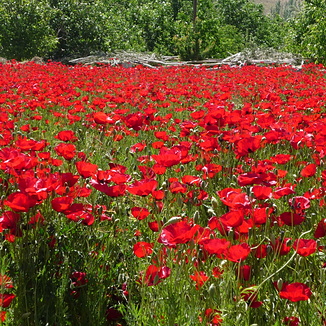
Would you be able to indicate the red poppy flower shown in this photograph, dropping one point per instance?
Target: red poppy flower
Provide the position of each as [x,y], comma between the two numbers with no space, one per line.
[215,223]
[260,251]
[139,147]
[299,203]
[37,218]
[86,218]
[281,158]
[102,118]
[191,180]
[213,317]
[154,226]
[158,194]
[217,272]
[19,202]
[309,170]
[146,172]
[155,275]
[280,246]
[177,187]
[168,157]
[9,220]
[291,321]
[29,144]
[113,176]
[200,278]
[291,218]
[216,247]
[232,219]
[209,144]
[305,247]
[61,204]
[78,279]
[202,233]
[210,170]
[320,231]
[143,249]
[295,292]
[262,192]
[284,191]
[13,159]
[248,145]
[139,213]
[134,121]
[244,273]
[143,187]
[5,299]
[112,191]
[159,169]
[86,169]
[67,179]
[66,135]
[246,179]
[179,232]
[197,114]
[161,135]
[37,189]
[67,151]
[5,282]
[238,253]
[234,198]
[260,215]
[117,167]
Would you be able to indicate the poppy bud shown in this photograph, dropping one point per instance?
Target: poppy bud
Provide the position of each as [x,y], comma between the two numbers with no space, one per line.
[214,203]
[212,290]
[172,220]
[273,240]
[279,284]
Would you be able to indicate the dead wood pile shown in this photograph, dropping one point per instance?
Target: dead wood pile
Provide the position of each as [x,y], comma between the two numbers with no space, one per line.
[260,57]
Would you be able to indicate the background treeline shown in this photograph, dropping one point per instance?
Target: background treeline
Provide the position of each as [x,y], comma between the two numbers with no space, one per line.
[192,29]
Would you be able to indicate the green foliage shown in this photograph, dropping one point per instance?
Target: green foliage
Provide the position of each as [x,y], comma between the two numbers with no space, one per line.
[248,18]
[121,32]
[79,25]
[58,28]
[153,21]
[309,37]
[25,29]
[214,40]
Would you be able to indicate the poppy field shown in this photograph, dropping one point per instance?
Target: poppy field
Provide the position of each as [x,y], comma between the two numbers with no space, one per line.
[171,196]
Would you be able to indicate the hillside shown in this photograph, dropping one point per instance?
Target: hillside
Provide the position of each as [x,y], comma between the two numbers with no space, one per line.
[270,4]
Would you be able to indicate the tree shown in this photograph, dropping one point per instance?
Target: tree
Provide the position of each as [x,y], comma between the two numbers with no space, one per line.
[25,30]
[80,26]
[309,37]
[248,18]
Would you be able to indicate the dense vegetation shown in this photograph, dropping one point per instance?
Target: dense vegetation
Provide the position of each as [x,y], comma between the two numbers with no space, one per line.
[190,29]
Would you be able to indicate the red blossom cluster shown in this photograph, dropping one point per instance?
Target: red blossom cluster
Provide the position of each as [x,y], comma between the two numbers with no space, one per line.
[5,297]
[171,129]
